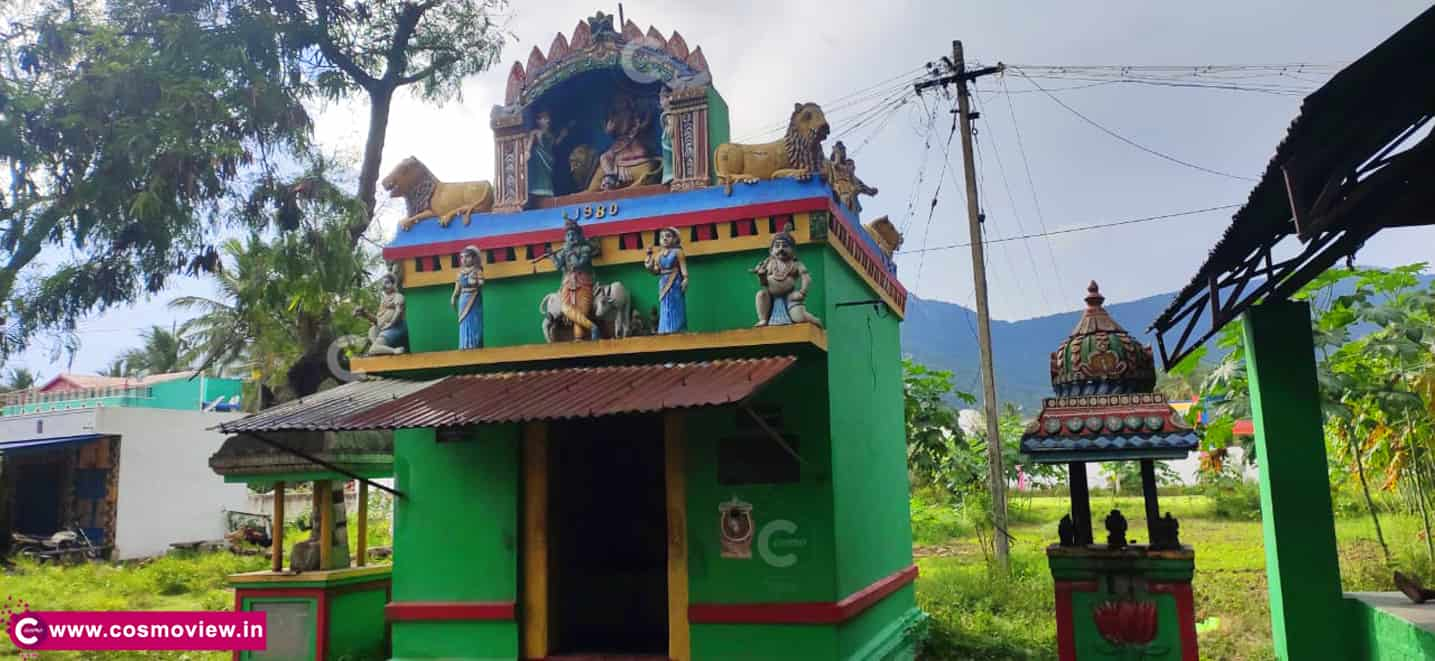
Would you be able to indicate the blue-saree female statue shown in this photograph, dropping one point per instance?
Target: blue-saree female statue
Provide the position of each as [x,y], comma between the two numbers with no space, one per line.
[468,299]
[671,266]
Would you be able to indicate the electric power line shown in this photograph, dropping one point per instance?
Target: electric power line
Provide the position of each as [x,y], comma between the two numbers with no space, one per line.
[1082,228]
[946,156]
[1127,140]
[1031,185]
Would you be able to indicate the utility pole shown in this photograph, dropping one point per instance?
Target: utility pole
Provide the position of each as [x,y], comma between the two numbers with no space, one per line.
[996,474]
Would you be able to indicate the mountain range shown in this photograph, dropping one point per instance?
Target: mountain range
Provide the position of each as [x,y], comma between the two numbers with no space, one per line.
[943,335]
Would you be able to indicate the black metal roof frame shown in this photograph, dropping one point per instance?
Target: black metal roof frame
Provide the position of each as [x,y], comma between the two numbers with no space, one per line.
[1349,166]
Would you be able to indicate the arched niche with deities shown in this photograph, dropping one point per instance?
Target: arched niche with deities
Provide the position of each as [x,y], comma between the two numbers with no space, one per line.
[603,111]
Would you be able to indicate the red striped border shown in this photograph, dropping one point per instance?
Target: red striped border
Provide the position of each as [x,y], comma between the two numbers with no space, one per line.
[803,612]
[645,224]
[435,611]
[1065,622]
[1185,613]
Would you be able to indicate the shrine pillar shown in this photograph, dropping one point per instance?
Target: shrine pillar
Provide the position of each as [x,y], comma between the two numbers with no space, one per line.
[1302,571]
[510,160]
[692,149]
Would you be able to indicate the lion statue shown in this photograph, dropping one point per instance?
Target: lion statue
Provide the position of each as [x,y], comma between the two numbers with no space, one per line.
[582,163]
[427,197]
[798,154]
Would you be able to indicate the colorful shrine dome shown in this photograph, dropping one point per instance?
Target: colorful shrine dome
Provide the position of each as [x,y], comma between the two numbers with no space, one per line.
[1105,407]
[1100,357]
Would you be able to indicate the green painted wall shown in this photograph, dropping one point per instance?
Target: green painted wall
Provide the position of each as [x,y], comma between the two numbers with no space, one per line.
[869,451]
[356,626]
[721,295]
[182,394]
[765,642]
[456,534]
[719,130]
[803,562]
[1380,636]
[1302,571]
[887,630]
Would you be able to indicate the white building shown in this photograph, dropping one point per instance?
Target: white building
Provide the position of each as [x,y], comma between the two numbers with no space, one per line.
[135,479]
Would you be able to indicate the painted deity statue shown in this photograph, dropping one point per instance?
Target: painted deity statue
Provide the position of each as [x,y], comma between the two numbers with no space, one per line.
[543,142]
[670,264]
[782,297]
[390,332]
[666,143]
[467,299]
[842,176]
[627,162]
[575,294]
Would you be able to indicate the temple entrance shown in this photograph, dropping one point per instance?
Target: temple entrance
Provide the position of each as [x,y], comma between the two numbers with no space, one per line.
[608,531]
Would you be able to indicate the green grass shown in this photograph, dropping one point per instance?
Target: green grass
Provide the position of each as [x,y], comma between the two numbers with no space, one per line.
[975,613]
[180,582]
[978,615]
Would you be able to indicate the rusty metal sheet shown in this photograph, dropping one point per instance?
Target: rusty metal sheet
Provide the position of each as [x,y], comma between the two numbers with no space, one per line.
[320,411]
[578,392]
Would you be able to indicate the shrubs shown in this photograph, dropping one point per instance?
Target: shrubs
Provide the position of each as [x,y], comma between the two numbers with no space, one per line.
[933,522]
[1236,500]
[979,614]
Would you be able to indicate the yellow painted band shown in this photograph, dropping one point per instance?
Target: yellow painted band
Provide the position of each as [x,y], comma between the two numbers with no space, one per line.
[675,483]
[741,337]
[535,540]
[330,576]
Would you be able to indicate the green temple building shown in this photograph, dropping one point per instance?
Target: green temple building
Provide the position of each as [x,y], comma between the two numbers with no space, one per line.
[644,390]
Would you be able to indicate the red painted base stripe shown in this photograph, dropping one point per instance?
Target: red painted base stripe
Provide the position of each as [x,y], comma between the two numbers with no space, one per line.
[803,612]
[430,611]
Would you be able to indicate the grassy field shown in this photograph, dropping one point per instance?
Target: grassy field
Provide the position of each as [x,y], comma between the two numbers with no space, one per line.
[975,615]
[185,582]
[979,616]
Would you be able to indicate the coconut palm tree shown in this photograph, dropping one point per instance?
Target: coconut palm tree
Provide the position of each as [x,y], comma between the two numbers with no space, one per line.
[282,303]
[161,352]
[21,378]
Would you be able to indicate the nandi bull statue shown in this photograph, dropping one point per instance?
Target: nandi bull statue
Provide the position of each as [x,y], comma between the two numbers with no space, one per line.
[612,313]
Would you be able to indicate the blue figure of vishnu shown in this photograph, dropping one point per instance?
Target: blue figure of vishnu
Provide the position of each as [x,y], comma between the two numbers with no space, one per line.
[468,299]
[671,266]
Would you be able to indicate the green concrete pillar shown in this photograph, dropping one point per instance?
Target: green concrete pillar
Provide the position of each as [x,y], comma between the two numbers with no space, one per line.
[1296,518]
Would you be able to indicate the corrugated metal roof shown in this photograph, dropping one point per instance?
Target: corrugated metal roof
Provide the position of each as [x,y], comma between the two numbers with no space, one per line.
[319,411]
[1364,106]
[575,392]
[580,392]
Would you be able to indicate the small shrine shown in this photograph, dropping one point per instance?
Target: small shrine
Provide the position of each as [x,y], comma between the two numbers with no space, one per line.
[326,603]
[1115,598]
[644,387]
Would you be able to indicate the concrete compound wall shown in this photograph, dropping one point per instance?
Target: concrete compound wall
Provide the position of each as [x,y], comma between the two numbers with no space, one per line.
[167,493]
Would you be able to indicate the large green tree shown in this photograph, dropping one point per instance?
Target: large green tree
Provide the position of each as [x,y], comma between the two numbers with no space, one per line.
[130,126]
[125,129]
[372,50]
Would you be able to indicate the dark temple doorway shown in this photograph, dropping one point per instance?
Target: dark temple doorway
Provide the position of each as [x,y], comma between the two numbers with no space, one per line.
[608,536]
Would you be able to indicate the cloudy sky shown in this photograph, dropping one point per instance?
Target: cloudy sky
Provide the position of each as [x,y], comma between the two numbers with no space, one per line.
[766,55]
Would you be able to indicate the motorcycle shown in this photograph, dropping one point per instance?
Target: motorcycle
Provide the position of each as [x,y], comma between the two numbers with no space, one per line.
[69,543]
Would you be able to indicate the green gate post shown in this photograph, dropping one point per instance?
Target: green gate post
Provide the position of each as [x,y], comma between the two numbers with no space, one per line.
[1296,518]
